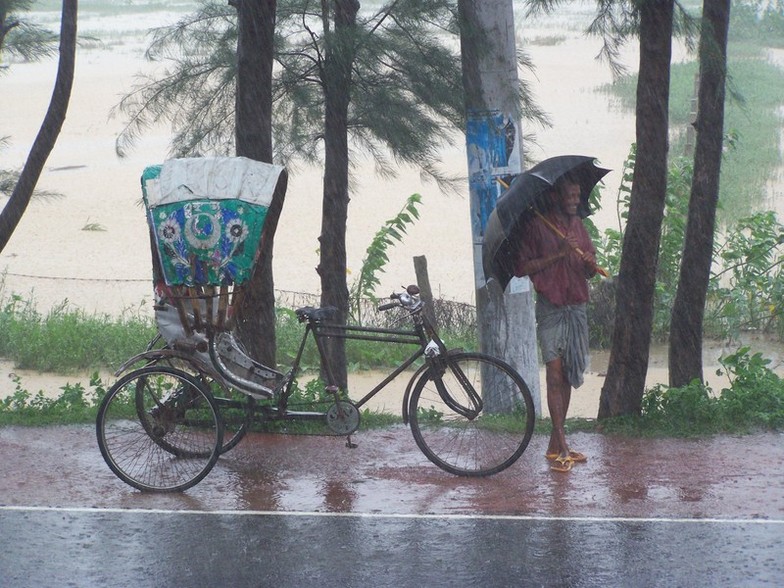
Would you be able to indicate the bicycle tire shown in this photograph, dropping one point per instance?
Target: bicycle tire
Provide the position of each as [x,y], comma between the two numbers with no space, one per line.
[236,421]
[466,435]
[237,410]
[159,429]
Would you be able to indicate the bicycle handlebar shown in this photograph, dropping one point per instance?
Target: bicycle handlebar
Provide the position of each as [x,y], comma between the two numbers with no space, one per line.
[408,300]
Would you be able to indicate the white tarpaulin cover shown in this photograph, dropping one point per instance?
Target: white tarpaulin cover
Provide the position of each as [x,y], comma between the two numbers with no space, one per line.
[222,178]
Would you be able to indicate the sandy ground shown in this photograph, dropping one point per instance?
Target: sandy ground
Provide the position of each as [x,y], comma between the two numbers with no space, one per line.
[53,256]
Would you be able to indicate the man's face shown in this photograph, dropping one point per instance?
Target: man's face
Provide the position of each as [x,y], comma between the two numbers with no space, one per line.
[569,199]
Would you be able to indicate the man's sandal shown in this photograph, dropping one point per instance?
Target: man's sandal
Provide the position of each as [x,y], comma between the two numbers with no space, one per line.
[562,464]
[575,456]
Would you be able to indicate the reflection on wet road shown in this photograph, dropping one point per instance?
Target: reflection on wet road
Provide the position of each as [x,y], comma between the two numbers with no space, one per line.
[45,547]
[301,511]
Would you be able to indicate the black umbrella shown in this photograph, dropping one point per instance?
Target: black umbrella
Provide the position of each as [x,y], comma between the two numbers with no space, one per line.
[528,195]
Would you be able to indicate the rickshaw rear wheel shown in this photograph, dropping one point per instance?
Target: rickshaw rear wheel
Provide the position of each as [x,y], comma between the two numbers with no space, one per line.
[159,429]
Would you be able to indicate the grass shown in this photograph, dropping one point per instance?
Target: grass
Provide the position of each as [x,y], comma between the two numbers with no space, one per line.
[754,401]
[752,123]
[65,339]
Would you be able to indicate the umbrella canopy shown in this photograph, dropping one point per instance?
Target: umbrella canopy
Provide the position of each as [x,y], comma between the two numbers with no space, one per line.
[527,193]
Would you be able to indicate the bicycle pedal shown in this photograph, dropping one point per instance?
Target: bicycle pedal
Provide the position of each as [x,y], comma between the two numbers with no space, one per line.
[350,444]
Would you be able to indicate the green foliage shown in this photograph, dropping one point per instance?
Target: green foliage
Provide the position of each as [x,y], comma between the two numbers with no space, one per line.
[748,293]
[405,91]
[608,254]
[689,410]
[756,395]
[20,37]
[310,393]
[752,121]
[753,401]
[376,255]
[746,290]
[67,339]
[758,21]
[288,334]
[670,245]
[74,405]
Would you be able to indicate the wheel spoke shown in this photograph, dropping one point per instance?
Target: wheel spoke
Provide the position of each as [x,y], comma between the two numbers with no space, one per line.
[473,419]
[159,429]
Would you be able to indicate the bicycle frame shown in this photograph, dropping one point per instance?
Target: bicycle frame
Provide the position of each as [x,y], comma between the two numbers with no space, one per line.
[321,331]
[422,334]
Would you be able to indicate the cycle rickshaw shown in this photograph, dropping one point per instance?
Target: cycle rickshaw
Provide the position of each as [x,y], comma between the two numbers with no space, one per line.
[194,393]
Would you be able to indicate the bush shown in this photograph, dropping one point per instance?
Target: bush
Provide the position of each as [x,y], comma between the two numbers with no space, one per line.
[754,401]
[756,395]
[74,405]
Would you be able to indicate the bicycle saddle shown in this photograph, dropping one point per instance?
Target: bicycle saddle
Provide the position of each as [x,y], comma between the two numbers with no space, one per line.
[316,315]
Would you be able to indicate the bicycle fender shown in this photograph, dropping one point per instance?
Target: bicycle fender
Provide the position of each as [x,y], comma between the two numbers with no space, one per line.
[407,394]
[156,355]
[414,379]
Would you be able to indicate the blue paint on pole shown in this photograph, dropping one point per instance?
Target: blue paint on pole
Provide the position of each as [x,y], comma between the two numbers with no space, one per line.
[493,152]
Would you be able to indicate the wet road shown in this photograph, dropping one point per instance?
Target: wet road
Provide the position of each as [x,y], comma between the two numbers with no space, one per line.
[187,548]
[293,511]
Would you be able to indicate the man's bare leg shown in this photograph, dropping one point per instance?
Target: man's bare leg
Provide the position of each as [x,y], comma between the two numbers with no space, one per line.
[558,396]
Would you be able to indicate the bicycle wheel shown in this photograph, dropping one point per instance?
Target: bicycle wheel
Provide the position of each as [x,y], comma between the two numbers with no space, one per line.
[236,409]
[474,416]
[159,429]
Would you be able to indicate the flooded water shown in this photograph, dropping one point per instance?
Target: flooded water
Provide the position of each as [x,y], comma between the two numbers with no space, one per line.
[585,400]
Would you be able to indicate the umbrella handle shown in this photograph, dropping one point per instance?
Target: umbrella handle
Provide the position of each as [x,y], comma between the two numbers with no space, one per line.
[599,270]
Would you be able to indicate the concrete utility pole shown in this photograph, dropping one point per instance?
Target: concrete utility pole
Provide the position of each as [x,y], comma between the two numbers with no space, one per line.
[493,144]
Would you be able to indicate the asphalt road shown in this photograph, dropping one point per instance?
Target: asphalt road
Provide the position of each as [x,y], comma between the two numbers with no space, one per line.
[306,511]
[95,547]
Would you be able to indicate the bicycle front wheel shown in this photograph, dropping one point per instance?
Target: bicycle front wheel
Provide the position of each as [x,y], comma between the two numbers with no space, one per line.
[159,429]
[473,416]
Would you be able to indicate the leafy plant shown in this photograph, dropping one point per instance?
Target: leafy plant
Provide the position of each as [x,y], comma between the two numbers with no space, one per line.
[685,411]
[88,226]
[376,255]
[746,290]
[748,293]
[756,395]
[75,404]
[670,245]
[754,400]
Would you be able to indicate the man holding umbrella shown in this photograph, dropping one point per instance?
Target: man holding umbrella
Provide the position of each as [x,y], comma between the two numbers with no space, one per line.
[557,254]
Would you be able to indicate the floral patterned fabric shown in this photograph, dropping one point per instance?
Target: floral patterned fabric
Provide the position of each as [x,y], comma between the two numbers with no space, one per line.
[206,242]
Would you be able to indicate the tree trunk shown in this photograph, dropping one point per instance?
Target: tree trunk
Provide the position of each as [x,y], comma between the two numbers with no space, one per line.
[336,79]
[50,128]
[253,122]
[685,357]
[507,325]
[625,383]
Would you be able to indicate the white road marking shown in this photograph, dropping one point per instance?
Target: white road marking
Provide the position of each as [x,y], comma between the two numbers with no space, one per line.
[359,515]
